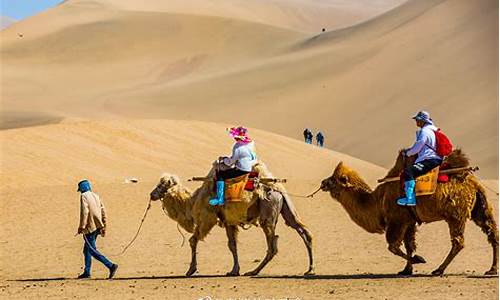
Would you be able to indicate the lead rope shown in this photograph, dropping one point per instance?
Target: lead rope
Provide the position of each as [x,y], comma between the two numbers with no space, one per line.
[178,229]
[308,196]
[138,229]
[129,244]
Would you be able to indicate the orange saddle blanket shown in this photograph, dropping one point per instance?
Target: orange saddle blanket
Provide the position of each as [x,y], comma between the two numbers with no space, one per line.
[425,184]
[234,187]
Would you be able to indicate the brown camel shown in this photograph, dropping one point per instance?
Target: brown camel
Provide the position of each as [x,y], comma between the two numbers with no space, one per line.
[260,207]
[455,201]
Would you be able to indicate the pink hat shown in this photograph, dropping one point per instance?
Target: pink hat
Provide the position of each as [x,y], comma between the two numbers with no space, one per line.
[240,134]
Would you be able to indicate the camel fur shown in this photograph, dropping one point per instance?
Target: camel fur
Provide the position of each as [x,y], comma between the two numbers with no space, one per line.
[456,201]
[262,207]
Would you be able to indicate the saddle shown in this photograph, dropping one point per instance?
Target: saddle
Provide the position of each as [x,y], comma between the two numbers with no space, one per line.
[234,187]
[425,184]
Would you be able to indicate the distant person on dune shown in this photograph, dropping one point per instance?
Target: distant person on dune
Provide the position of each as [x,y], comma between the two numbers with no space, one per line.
[320,139]
[241,162]
[308,136]
[428,158]
[92,223]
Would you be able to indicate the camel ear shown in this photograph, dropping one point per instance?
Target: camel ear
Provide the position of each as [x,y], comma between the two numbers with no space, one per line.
[339,166]
[174,180]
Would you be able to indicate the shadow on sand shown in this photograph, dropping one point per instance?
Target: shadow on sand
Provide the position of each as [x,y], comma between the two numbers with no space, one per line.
[296,277]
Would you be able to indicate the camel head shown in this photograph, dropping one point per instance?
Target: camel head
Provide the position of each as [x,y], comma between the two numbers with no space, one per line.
[167,181]
[343,179]
[337,182]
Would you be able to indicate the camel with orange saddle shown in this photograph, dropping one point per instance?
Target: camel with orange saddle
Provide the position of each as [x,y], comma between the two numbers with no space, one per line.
[454,198]
[256,198]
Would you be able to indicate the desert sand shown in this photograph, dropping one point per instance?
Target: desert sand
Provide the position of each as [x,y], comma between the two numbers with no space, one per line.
[108,90]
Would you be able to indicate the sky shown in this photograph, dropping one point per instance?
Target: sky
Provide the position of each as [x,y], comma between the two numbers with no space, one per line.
[20,9]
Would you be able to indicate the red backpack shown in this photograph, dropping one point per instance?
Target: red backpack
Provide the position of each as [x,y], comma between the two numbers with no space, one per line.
[443,144]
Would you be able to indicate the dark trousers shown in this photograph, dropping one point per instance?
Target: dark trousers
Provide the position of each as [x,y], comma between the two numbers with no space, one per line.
[230,173]
[420,168]
[90,250]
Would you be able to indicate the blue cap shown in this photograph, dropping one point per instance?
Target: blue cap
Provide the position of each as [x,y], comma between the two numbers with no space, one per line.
[84,186]
[423,116]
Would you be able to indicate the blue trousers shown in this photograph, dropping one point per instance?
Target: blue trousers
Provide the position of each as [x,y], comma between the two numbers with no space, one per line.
[90,250]
[420,168]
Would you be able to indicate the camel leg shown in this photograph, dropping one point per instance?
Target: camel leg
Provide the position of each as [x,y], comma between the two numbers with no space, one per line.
[410,246]
[395,232]
[482,215]
[457,228]
[292,220]
[272,248]
[193,242]
[231,232]
[200,232]
[269,209]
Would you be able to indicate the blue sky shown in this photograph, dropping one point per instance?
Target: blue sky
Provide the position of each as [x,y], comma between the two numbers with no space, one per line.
[20,9]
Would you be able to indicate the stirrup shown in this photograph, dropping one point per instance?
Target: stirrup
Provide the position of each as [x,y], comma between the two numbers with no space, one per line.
[402,201]
[412,203]
[215,202]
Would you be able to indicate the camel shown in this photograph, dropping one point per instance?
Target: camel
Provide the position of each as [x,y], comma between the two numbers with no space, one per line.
[261,207]
[376,211]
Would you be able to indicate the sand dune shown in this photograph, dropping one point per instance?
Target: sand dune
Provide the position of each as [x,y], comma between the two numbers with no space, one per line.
[108,152]
[301,15]
[148,60]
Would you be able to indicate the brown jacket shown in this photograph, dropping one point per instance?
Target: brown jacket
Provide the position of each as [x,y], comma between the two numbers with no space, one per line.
[92,212]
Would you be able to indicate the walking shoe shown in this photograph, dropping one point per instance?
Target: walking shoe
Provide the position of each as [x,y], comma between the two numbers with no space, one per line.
[112,271]
[83,276]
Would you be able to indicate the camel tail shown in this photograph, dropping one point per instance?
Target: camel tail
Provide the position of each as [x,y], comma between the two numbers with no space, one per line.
[482,215]
[289,213]
[482,210]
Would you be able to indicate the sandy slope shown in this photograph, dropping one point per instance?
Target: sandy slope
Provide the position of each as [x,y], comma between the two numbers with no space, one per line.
[301,15]
[41,165]
[110,151]
[96,59]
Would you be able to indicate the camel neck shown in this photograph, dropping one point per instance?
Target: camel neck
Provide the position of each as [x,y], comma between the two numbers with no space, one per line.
[177,204]
[363,209]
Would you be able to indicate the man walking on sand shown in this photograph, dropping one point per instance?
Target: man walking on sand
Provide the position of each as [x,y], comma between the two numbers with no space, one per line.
[92,223]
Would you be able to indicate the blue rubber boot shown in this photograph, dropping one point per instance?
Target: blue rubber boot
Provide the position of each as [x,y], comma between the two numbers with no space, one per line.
[410,193]
[410,199]
[219,198]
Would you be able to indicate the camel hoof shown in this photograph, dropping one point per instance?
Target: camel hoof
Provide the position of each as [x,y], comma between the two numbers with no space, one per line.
[190,272]
[406,272]
[437,272]
[492,272]
[251,273]
[233,274]
[310,273]
[417,259]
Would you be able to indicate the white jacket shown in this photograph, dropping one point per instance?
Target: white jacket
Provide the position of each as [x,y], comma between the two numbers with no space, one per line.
[425,144]
[243,157]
